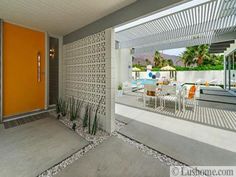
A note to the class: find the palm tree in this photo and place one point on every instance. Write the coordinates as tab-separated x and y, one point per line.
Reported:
147	61
158	59
195	54
201	52
188	56
170	62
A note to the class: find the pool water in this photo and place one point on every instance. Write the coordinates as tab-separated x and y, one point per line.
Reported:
144	81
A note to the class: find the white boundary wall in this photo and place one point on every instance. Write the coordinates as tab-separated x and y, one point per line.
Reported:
191	76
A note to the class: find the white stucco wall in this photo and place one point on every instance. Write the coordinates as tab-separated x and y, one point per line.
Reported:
193	76
123	66
190	76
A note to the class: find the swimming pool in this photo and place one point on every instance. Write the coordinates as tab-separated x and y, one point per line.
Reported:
144	81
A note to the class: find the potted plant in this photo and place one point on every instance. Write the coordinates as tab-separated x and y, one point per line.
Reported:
120	90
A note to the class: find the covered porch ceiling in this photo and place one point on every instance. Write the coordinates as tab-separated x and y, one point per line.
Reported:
211	21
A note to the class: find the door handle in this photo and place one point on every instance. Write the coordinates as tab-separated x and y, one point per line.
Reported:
38	67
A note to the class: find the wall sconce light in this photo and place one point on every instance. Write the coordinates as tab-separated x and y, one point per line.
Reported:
52	53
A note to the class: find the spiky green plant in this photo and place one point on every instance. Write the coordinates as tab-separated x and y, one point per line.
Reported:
95	121
89	119
74	107
58	105
80	105
85	119
64	108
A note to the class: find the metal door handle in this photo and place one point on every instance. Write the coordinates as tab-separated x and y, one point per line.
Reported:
38	67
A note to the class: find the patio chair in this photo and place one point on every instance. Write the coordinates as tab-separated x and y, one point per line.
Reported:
170	94
149	93
139	92
214	82
189	97
200	81
127	87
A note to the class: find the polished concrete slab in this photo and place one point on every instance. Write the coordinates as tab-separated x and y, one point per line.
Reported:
184	149
115	158
32	148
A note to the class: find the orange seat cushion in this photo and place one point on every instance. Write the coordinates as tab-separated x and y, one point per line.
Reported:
192	92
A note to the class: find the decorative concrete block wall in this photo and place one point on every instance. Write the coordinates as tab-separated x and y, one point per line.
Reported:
88	66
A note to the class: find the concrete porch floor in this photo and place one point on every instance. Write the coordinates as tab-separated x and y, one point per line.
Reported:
115	158
32	148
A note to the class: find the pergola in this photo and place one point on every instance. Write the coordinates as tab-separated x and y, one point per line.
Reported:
207	22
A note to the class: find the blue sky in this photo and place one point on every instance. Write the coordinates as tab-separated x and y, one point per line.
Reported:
176	52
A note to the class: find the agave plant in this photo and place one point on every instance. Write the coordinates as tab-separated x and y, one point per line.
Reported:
95	121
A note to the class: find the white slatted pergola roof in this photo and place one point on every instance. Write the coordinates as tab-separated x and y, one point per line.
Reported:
209	22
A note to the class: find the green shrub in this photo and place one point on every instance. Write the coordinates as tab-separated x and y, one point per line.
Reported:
120	87
200	68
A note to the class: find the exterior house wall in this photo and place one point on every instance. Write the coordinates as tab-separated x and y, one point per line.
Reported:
123	66
89	75
191	76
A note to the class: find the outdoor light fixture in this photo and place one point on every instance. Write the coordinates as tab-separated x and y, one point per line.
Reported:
160	14
52	53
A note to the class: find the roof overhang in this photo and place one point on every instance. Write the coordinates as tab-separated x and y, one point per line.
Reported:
206	23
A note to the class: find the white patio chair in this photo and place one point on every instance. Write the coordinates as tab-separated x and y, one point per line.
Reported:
189	101
146	96
139	92
170	94
214	82
127	87
200	81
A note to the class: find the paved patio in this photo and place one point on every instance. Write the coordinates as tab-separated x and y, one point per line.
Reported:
186	150
32	148
220	138
219	115
115	158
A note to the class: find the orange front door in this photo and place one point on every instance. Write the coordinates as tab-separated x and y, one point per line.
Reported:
22	91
